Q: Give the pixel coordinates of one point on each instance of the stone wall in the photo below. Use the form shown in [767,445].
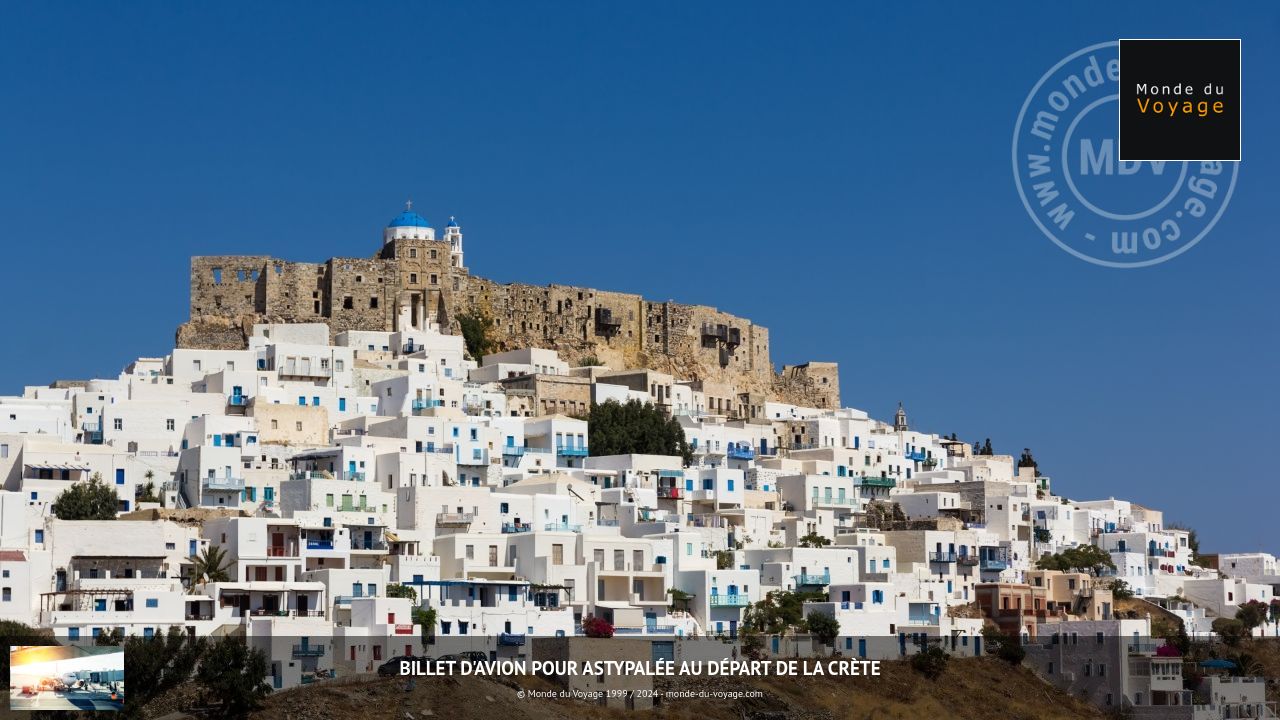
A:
[622,330]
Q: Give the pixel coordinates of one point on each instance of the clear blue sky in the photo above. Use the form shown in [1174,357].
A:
[859,157]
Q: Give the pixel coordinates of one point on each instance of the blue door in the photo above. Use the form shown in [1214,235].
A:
[862,647]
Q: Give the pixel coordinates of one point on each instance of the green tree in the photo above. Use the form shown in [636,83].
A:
[159,664]
[475,333]
[778,612]
[724,559]
[209,566]
[1084,558]
[1252,614]
[395,590]
[1231,631]
[91,500]
[635,428]
[679,599]
[814,540]
[1028,460]
[425,617]
[1004,646]
[931,661]
[824,627]
[234,675]
[1120,590]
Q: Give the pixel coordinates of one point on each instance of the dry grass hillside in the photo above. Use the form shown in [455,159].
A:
[969,689]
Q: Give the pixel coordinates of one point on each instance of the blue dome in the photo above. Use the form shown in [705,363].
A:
[452,222]
[408,218]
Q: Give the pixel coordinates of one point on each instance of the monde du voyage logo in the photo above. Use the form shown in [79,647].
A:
[1167,191]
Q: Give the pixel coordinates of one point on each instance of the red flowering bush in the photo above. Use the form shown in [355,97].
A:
[595,627]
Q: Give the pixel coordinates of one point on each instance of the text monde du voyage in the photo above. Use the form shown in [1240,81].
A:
[1180,99]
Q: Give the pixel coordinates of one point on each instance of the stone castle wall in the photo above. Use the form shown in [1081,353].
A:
[622,330]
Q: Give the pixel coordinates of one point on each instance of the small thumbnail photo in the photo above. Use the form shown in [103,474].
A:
[66,677]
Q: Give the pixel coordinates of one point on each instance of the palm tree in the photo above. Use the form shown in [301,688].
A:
[209,566]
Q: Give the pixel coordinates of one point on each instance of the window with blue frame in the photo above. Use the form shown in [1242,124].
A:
[119,476]
[503,508]
[315,400]
[152,602]
[148,633]
[39,536]
[730,481]
[73,634]
[100,605]
[302,400]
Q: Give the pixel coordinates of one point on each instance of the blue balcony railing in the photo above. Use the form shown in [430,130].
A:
[319,545]
[879,482]
[513,451]
[808,579]
[735,600]
[516,528]
[567,451]
[308,650]
[223,483]
[562,527]
[917,456]
[424,403]
[342,599]
[994,565]
[511,639]
[741,453]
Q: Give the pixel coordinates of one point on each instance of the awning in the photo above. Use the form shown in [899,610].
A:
[57,466]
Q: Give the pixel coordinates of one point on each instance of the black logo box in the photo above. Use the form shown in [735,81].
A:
[1189,64]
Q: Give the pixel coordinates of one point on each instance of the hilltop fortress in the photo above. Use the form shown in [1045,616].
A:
[415,270]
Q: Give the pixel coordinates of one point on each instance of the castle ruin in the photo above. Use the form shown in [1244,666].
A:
[230,293]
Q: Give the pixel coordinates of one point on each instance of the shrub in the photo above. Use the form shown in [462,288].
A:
[594,627]
[1006,647]
[92,500]
[930,662]
[1230,630]
[824,626]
